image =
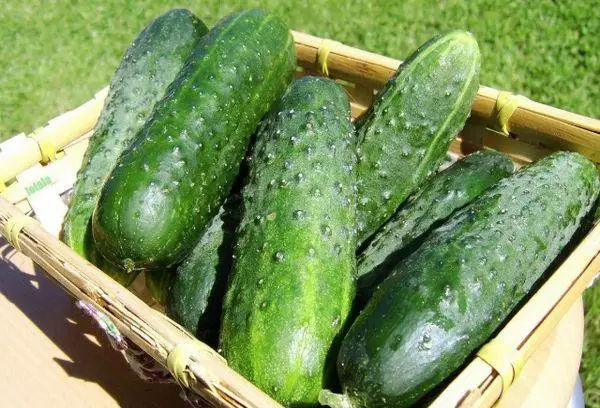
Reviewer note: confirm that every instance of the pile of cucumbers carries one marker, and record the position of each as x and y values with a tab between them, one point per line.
330	262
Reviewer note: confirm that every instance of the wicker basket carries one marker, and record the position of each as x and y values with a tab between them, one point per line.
525	131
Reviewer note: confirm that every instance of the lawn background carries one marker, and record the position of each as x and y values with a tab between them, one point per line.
56	54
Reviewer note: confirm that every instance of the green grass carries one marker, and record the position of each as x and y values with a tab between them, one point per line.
56	54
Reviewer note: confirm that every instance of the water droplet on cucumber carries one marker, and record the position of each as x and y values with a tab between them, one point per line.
299	214
279	256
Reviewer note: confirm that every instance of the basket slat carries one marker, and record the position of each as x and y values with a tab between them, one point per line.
61	131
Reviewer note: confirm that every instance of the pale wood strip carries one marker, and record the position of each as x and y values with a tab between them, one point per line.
61	131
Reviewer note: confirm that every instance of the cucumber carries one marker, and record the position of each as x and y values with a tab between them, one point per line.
195	279
448	297
406	133
437	198
292	283
196	296
174	177
150	64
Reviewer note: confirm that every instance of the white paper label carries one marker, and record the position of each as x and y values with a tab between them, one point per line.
44	198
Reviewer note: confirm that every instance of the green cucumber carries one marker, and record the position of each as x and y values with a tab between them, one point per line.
406	133
437	198
195	280
150	64
171	181
448	297
195	299
292	284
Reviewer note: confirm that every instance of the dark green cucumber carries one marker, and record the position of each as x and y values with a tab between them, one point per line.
406	133
447	298
150	64
172	180
292	284
196	296
437	198
195	279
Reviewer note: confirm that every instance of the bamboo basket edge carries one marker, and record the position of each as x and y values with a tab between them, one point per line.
344	62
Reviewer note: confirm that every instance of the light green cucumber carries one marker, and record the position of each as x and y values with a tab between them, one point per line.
292	285
406	133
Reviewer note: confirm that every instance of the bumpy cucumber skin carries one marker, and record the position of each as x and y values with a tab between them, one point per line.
150	64
292	284
174	177
195	278
445	300
437	198
406	133
196	296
